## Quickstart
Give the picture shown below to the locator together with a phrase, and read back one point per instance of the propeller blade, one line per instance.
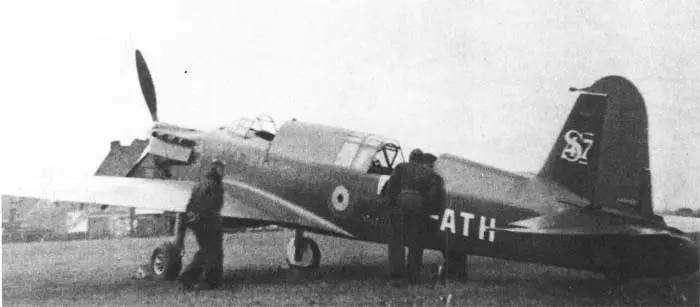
(147, 87)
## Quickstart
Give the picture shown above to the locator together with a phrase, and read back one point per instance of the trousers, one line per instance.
(408, 229)
(209, 258)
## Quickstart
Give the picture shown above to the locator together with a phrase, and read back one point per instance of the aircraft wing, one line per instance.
(241, 200)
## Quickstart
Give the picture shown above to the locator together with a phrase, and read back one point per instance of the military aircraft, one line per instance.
(588, 208)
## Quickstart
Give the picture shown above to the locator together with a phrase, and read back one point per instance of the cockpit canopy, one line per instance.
(355, 150)
(375, 155)
(262, 126)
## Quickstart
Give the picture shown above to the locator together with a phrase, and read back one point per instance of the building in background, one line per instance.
(31, 219)
(122, 161)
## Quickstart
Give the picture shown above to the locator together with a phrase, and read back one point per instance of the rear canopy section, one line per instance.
(314, 143)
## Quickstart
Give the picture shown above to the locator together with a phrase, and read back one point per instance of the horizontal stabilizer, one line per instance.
(589, 231)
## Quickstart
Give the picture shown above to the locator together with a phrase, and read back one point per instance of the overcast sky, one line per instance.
(486, 80)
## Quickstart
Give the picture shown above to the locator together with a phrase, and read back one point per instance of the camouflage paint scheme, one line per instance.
(543, 218)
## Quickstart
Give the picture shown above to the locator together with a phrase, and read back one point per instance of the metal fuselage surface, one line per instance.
(479, 197)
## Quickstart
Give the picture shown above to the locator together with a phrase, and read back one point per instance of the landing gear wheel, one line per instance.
(309, 253)
(166, 262)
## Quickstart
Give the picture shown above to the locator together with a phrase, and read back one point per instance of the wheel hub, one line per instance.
(158, 264)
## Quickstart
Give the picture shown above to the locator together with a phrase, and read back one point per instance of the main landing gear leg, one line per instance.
(166, 260)
(302, 252)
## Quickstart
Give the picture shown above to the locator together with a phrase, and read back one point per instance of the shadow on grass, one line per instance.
(578, 289)
(280, 275)
(585, 287)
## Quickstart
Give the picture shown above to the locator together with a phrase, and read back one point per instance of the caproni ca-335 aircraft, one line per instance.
(588, 208)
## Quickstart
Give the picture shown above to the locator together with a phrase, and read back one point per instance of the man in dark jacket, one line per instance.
(437, 194)
(408, 190)
(203, 216)
(429, 160)
(455, 264)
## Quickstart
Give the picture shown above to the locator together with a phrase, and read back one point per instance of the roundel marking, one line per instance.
(340, 198)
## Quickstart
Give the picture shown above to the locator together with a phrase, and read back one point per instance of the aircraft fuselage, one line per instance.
(479, 198)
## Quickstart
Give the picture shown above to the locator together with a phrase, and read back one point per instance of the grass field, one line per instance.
(101, 273)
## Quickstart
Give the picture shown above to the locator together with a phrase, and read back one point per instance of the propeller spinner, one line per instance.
(147, 87)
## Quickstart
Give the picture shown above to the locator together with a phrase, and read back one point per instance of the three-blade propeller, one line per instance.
(147, 87)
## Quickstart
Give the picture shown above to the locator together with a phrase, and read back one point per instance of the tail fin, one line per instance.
(574, 160)
(602, 152)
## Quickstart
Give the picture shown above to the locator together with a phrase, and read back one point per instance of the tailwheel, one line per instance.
(303, 253)
(166, 262)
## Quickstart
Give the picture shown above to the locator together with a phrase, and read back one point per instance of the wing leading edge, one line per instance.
(242, 201)
(246, 201)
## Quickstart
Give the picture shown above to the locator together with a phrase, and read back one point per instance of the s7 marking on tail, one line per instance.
(577, 146)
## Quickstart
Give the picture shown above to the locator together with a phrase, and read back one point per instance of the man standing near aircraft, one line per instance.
(429, 160)
(204, 218)
(408, 190)
(437, 193)
(455, 264)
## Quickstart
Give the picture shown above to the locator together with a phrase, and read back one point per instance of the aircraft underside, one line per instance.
(618, 257)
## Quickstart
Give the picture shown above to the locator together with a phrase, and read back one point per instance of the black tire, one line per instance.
(306, 244)
(166, 262)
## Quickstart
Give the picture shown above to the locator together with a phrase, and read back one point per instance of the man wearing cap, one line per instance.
(203, 216)
(408, 190)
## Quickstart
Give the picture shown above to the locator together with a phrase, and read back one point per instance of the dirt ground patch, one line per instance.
(101, 273)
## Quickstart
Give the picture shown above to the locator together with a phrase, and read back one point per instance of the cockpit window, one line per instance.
(265, 127)
(393, 154)
(385, 159)
(347, 154)
(262, 126)
(242, 127)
